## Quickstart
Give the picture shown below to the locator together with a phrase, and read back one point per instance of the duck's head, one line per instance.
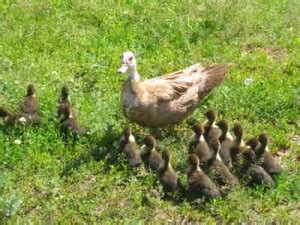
(193, 161)
(127, 134)
(223, 125)
(211, 115)
(263, 139)
(128, 62)
(249, 155)
(30, 90)
(198, 129)
(238, 130)
(150, 142)
(253, 143)
(166, 156)
(64, 92)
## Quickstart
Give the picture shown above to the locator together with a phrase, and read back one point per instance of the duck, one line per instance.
(251, 173)
(265, 158)
(64, 101)
(226, 141)
(199, 184)
(211, 131)
(167, 99)
(150, 157)
(69, 124)
(218, 171)
(238, 132)
(29, 104)
(166, 174)
(237, 148)
(9, 118)
(198, 144)
(130, 148)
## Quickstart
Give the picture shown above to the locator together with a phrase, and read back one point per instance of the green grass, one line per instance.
(79, 43)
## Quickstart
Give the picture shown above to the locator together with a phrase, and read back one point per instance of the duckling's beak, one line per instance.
(123, 68)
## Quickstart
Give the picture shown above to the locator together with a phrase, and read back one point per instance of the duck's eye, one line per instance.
(130, 58)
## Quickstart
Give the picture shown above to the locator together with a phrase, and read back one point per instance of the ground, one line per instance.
(79, 43)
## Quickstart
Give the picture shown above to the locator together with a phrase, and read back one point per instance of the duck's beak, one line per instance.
(123, 68)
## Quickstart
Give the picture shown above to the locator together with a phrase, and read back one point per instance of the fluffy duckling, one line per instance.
(226, 141)
(238, 132)
(8, 117)
(211, 131)
(265, 158)
(218, 171)
(150, 157)
(69, 124)
(130, 148)
(64, 101)
(198, 145)
(29, 104)
(199, 184)
(166, 174)
(253, 174)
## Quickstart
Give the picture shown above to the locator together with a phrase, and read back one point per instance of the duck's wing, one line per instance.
(170, 86)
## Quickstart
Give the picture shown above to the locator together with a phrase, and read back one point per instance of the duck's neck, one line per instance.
(133, 74)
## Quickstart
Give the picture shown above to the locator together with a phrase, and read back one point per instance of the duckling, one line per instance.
(199, 184)
(166, 174)
(198, 145)
(265, 158)
(150, 157)
(211, 131)
(8, 117)
(253, 174)
(69, 124)
(64, 101)
(226, 141)
(29, 104)
(218, 171)
(130, 148)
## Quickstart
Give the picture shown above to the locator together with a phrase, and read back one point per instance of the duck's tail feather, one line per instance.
(214, 76)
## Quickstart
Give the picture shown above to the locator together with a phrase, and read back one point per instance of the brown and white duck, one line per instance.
(129, 147)
(226, 141)
(150, 157)
(167, 99)
(199, 184)
(64, 101)
(198, 144)
(29, 104)
(166, 174)
(265, 158)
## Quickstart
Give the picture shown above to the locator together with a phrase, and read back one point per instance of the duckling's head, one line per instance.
(64, 92)
(127, 132)
(128, 62)
(193, 161)
(263, 139)
(211, 115)
(30, 90)
(166, 156)
(150, 142)
(223, 125)
(238, 130)
(198, 129)
(253, 143)
(3, 112)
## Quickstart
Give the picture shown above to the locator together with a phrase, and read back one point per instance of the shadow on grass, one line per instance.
(104, 149)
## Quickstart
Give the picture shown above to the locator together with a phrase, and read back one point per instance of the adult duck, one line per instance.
(167, 99)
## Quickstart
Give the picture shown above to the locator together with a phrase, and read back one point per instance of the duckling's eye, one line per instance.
(130, 58)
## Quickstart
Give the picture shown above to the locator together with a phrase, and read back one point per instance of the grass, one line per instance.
(52, 43)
